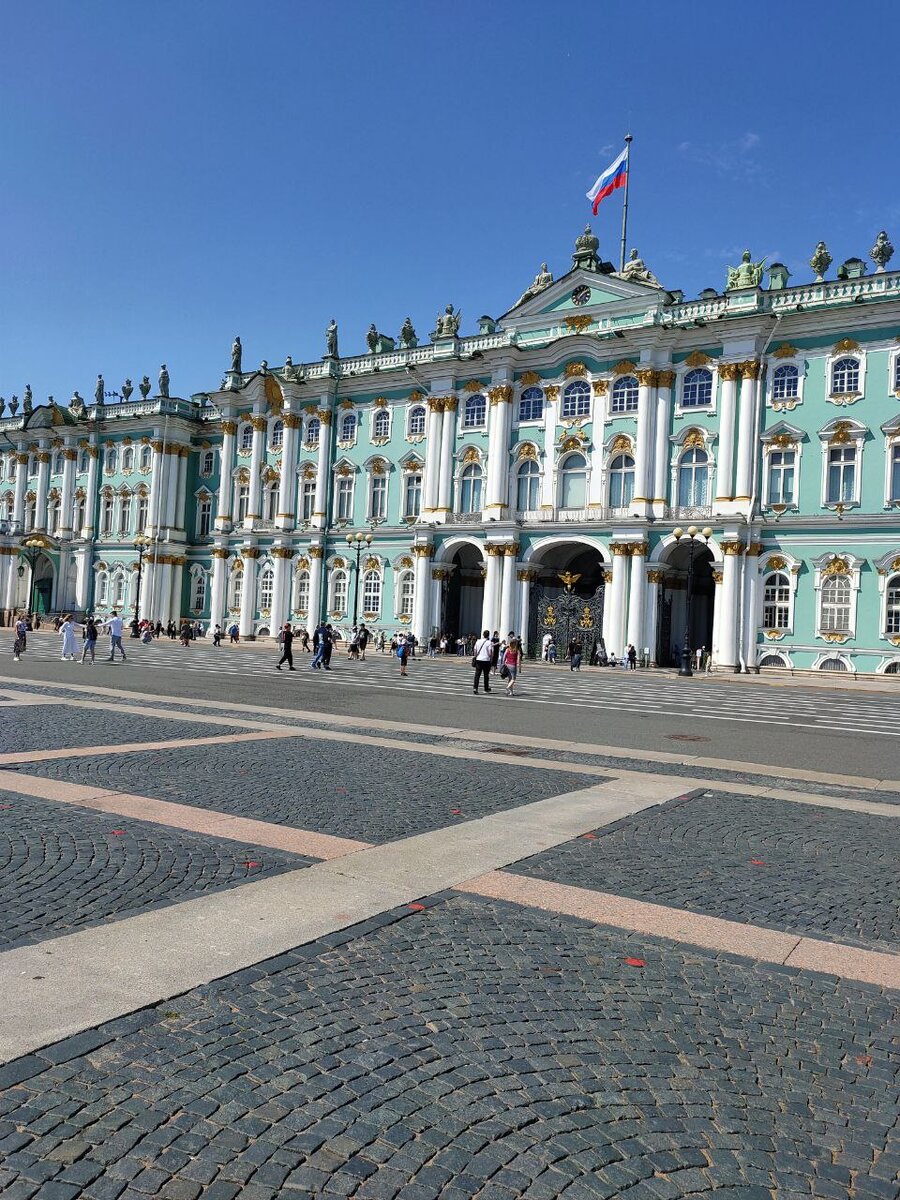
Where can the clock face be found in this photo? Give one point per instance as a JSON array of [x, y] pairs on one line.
[[581, 295]]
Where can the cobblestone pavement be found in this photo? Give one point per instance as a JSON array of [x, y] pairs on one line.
[[58, 727], [327, 786], [63, 868], [472, 1051], [761, 861]]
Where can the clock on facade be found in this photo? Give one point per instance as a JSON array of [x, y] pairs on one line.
[[581, 295]]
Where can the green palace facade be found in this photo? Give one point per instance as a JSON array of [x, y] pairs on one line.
[[543, 474]]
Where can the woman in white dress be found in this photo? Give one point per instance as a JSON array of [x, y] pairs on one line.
[[67, 632]]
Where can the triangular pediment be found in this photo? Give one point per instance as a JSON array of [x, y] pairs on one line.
[[584, 293]]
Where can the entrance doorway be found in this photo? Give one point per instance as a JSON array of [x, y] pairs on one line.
[[672, 603], [463, 599], [567, 599]]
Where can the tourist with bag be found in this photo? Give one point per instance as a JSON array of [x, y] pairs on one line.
[[511, 664], [482, 659]]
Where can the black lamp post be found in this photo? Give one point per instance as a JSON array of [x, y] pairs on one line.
[[31, 550], [692, 533], [357, 541], [141, 543]]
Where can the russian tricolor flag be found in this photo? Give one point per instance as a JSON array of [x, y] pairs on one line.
[[615, 176]]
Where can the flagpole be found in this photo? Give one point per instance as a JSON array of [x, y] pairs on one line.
[[625, 205]]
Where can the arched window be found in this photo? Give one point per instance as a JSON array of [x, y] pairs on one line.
[[470, 489], [573, 481], [128, 459], [693, 478], [845, 376], [242, 501], [833, 664], [313, 430], [415, 424], [372, 592], [624, 395], [697, 389], [381, 424], [776, 601], [621, 481], [103, 588], [277, 435], [143, 510], [895, 472], [111, 460], [308, 500], [266, 588], [531, 404], [576, 400], [124, 514], [378, 497], [339, 592], [834, 604], [30, 508], [237, 589], [412, 494], [772, 660], [892, 607], [841, 482], [348, 427], [198, 591], [204, 514], [406, 593], [53, 515], [893, 668], [146, 457], [785, 383], [6, 506], [782, 466], [78, 515], [343, 498], [207, 463], [528, 486], [246, 442], [301, 593], [106, 514], [475, 412], [118, 590]]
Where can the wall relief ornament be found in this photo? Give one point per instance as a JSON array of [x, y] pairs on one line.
[[697, 359], [776, 563], [783, 441], [841, 434], [472, 455], [574, 369], [526, 450], [838, 638], [621, 444], [580, 323], [773, 635], [785, 350], [472, 386], [845, 346], [837, 566], [694, 440], [625, 367], [405, 563], [599, 387]]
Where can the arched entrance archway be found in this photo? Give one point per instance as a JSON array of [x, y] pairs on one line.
[[672, 602], [463, 598], [567, 597], [34, 592]]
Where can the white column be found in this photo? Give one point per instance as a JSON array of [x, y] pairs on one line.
[[176, 574], [43, 486], [70, 456], [431, 481], [178, 517], [438, 575], [508, 591], [158, 475], [217, 592], [21, 488], [728, 373], [614, 631], [637, 595], [489, 612], [448, 445], [664, 381], [752, 588], [596, 488], [498, 450], [248, 596], [728, 623], [524, 576], [82, 577], [285, 518], [6, 560], [161, 589], [320, 516], [746, 432], [226, 466], [717, 613], [651, 613], [315, 587], [10, 578], [280, 609], [548, 480], [257, 452], [90, 498], [644, 441], [421, 605]]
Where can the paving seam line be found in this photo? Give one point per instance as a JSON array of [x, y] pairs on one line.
[[222, 739], [685, 760]]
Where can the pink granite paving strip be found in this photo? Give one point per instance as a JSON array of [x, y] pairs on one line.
[[184, 816], [26, 756], [712, 933]]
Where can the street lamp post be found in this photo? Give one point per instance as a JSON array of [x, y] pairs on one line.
[[692, 532], [141, 543], [31, 550], [357, 541]]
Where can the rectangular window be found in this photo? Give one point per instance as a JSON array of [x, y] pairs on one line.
[[343, 505], [124, 516], [204, 519], [841, 483], [782, 464], [378, 498], [106, 522], [895, 471], [142, 509], [243, 501], [412, 495], [309, 499]]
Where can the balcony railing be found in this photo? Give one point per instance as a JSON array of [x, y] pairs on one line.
[[688, 512]]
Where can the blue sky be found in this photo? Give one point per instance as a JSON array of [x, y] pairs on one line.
[[181, 171]]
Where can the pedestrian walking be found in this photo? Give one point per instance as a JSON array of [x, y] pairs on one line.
[[89, 629], [482, 658], [551, 649], [574, 655], [217, 636], [495, 652], [403, 649], [20, 638], [304, 641], [545, 646], [631, 654], [234, 633], [362, 642], [114, 625], [512, 664], [330, 637], [67, 632], [287, 653]]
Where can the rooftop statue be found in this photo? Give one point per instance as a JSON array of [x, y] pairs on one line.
[[236, 352], [127, 389], [820, 261], [99, 389], [636, 272], [539, 284], [408, 339], [331, 340], [27, 400], [164, 381], [748, 274], [2, 406], [288, 371], [586, 247], [144, 387], [14, 406], [372, 338], [76, 404], [882, 252], [448, 322]]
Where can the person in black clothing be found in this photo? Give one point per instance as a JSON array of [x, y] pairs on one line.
[[329, 646], [287, 653], [481, 661]]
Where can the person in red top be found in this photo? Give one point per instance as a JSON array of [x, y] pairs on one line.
[[512, 664]]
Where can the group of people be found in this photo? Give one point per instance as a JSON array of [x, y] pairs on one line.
[[492, 656], [69, 629], [599, 657]]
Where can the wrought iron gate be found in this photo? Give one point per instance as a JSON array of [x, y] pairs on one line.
[[566, 615]]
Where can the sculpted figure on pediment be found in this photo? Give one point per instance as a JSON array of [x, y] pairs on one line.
[[539, 284], [635, 271]]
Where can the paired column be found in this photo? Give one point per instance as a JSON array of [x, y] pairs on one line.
[[281, 555], [548, 479], [728, 607], [596, 497], [178, 516], [258, 449], [175, 585], [644, 449], [226, 466], [747, 441], [249, 554], [439, 575], [500, 398], [508, 590], [21, 487], [752, 615], [637, 599], [70, 457], [158, 481], [320, 518], [433, 428], [728, 373], [285, 518], [90, 499], [43, 486], [448, 445], [651, 621], [614, 635], [217, 592], [524, 577], [316, 554], [489, 614], [421, 604], [664, 381]]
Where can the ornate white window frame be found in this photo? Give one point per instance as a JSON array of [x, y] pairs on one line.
[[197, 571], [893, 383], [343, 469], [846, 348], [378, 412], [887, 662], [345, 443], [203, 472], [416, 437], [528, 422], [773, 362], [829, 564], [377, 466], [679, 442], [842, 431], [525, 452], [777, 562], [766, 651], [845, 658], [561, 458], [891, 431], [239, 440], [888, 568], [781, 437], [683, 369]]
